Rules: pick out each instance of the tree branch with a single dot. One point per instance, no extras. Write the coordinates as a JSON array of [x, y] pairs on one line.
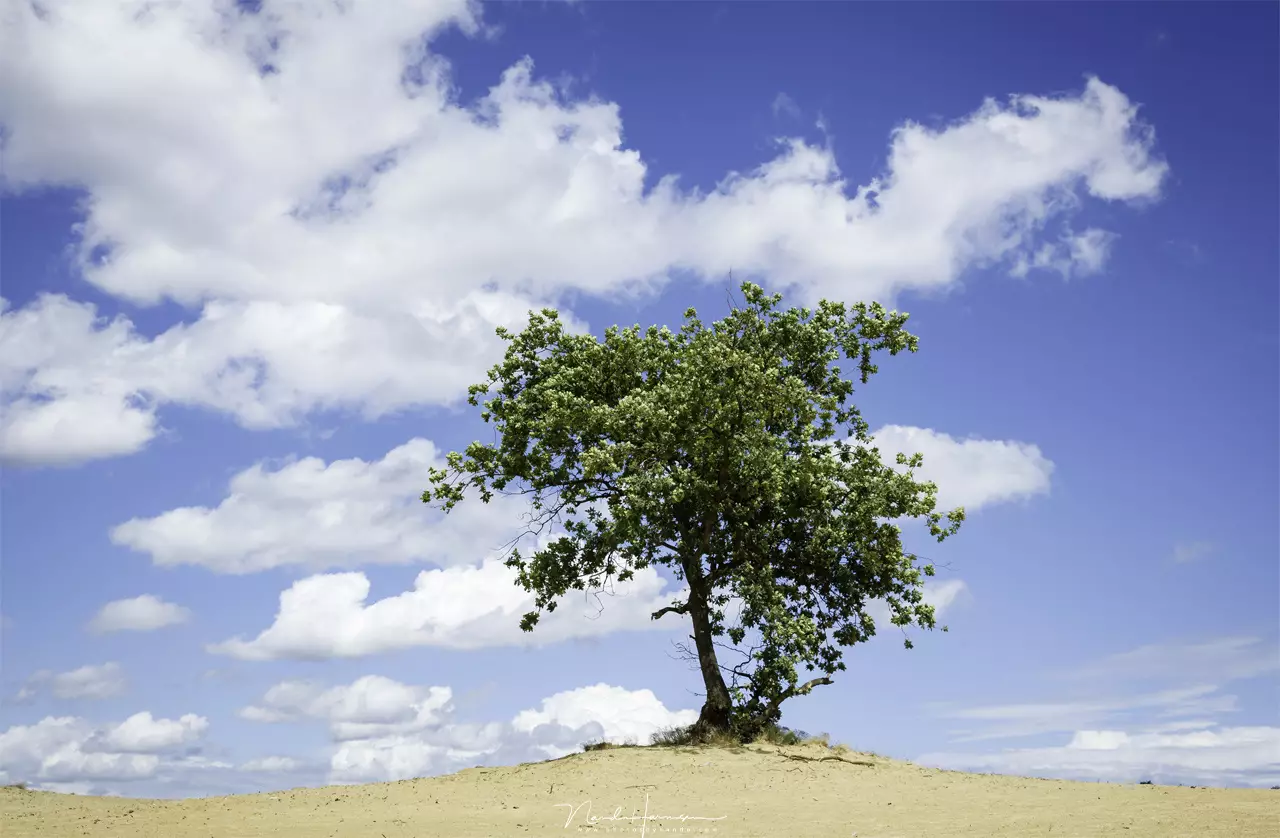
[[717, 574], [801, 689], [681, 608]]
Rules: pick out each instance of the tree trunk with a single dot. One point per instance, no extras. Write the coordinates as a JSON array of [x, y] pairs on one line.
[[716, 710]]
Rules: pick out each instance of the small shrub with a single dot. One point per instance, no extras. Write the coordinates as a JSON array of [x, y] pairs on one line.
[[822, 739], [689, 736], [773, 734], [605, 745], [670, 737], [1145, 783], [779, 735], [686, 736]]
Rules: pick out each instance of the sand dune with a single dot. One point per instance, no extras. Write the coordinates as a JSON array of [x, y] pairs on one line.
[[758, 790]]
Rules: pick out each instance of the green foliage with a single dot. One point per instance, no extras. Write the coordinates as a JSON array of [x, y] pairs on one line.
[[716, 452]]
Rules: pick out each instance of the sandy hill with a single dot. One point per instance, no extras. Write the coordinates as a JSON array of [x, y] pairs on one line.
[[757, 790]]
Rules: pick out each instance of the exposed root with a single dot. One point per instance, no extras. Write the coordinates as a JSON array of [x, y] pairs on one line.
[[799, 758]]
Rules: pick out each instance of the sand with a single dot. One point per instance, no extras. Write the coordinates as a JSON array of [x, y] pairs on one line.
[[758, 790]]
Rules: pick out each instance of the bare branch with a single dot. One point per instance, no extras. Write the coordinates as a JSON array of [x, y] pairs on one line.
[[801, 689], [680, 608]]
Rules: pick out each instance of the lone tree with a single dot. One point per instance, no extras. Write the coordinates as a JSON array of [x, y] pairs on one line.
[[715, 452]]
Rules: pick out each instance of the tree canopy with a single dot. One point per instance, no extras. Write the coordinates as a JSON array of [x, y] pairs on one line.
[[715, 452]]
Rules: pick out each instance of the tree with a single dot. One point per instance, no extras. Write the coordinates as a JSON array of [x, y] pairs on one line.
[[713, 452]]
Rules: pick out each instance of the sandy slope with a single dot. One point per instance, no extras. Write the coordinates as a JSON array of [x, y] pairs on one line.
[[756, 791]]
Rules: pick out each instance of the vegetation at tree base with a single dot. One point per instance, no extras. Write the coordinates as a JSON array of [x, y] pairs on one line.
[[685, 735], [715, 452]]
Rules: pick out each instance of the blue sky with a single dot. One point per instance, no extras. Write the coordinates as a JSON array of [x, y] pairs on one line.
[[252, 257]]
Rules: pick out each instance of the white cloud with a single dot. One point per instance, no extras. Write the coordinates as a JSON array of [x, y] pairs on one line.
[[1074, 254], [88, 682], [70, 750], [326, 616], [1225, 756], [318, 515], [1089, 251], [52, 750], [624, 714], [349, 240], [39, 432], [370, 707], [972, 473], [94, 391], [142, 733], [942, 595], [391, 758], [140, 613], [386, 730]]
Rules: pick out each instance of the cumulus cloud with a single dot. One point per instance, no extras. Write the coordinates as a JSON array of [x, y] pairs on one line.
[[142, 733], [345, 232], [340, 514], [94, 391], [87, 682], [54, 433], [622, 714], [69, 750], [326, 616], [140, 613], [370, 707], [385, 730], [972, 473], [1228, 756]]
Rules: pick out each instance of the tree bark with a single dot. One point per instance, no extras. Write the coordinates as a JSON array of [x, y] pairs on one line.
[[717, 708]]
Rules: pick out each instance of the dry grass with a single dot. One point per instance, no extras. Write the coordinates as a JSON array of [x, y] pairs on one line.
[[754, 790]]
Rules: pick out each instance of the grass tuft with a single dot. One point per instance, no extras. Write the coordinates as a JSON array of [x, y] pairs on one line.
[[605, 745]]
